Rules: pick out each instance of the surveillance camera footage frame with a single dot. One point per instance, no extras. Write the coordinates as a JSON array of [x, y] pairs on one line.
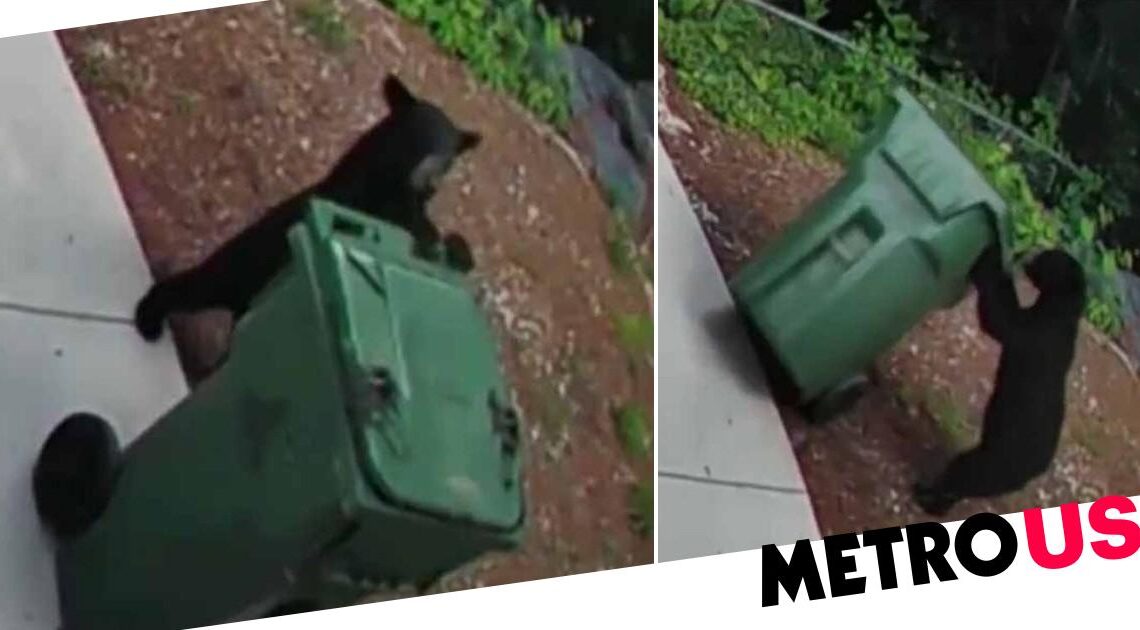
[[1034, 586]]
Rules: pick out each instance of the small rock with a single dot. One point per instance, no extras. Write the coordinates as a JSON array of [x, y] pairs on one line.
[[101, 49]]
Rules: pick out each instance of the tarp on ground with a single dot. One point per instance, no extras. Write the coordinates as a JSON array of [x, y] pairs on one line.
[[613, 124]]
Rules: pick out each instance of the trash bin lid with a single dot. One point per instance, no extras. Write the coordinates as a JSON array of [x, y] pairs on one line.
[[936, 168], [436, 431]]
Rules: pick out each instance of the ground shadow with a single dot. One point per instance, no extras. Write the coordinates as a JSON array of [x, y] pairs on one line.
[[729, 338]]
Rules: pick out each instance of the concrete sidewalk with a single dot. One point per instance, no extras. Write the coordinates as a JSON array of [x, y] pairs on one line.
[[727, 477], [71, 270]]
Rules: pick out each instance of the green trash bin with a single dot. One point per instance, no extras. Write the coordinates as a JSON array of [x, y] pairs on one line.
[[892, 241], [359, 436]]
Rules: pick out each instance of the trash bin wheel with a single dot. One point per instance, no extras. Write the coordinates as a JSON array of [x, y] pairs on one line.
[[75, 474], [839, 399]]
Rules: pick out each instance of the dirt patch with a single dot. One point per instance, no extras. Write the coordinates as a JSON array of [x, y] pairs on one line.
[[929, 390], [211, 117]]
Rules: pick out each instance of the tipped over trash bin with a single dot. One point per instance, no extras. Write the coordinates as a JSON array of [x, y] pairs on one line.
[[359, 435], [893, 240]]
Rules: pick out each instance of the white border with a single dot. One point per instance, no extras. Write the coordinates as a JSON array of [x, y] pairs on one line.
[[22, 17]]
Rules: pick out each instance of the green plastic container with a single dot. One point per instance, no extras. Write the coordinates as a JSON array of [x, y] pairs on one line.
[[358, 436], [892, 241]]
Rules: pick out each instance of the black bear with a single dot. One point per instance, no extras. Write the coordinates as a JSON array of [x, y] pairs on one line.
[[390, 173], [1022, 424]]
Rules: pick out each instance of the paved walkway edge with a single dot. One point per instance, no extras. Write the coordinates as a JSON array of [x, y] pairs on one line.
[[728, 479]]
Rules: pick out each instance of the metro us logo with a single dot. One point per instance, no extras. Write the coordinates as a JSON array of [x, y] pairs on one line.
[[927, 546]]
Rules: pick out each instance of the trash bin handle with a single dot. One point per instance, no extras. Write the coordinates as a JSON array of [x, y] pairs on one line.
[[338, 220]]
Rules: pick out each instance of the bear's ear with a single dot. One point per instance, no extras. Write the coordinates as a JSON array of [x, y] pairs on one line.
[[469, 140], [397, 94]]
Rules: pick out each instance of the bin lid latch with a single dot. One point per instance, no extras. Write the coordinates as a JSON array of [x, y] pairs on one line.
[[383, 386], [382, 393]]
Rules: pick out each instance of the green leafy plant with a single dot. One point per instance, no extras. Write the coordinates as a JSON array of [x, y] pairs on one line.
[[513, 45], [620, 246], [324, 22], [95, 66], [632, 425], [641, 508], [635, 333], [952, 419], [690, 8], [791, 88], [622, 250], [185, 102], [815, 9]]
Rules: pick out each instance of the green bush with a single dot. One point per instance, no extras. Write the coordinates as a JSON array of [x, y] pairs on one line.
[[765, 76], [513, 45]]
